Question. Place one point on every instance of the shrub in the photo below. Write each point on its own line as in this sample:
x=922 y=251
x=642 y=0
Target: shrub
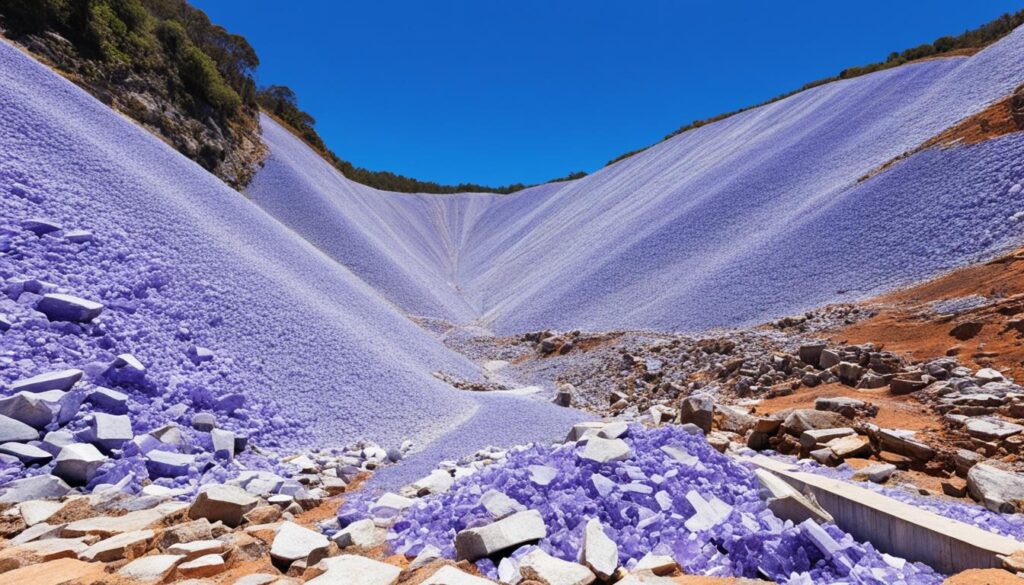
x=199 y=72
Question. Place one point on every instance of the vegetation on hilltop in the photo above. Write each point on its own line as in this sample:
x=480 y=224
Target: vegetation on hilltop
x=166 y=65
x=163 y=63
x=975 y=39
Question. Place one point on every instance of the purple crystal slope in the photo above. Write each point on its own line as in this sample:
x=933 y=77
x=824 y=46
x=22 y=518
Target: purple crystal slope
x=180 y=260
x=650 y=502
x=738 y=222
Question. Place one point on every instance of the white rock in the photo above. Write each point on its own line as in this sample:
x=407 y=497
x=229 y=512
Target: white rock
x=613 y=430
x=998 y=490
x=499 y=506
x=59 y=380
x=517 y=529
x=127 y=361
x=541 y=566
x=986 y=375
x=449 y=575
x=17 y=431
x=54 y=548
x=226 y=503
x=428 y=555
x=206 y=566
x=656 y=564
x=363 y=534
x=599 y=553
x=542 y=475
x=679 y=454
x=78 y=236
x=118 y=546
x=605 y=450
x=708 y=512
x=353 y=570
x=78 y=463
x=33 y=488
x=35 y=511
x=389 y=505
x=197 y=548
x=105 y=526
x=992 y=428
x=223 y=442
x=61 y=307
x=295 y=543
x=108 y=431
x=438 y=482
x=27 y=454
x=40 y=226
x=151 y=569
x=41 y=531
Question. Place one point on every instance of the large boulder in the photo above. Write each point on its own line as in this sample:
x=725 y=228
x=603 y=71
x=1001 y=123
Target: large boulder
x=295 y=543
x=107 y=431
x=998 y=490
x=27 y=454
x=544 y=568
x=361 y=534
x=107 y=400
x=733 y=420
x=902 y=442
x=698 y=410
x=805 y=419
x=990 y=428
x=226 y=503
x=513 y=531
x=36 y=409
x=34 y=488
x=168 y=464
x=151 y=569
x=61 y=307
x=126 y=369
x=58 y=380
x=355 y=570
x=605 y=450
x=78 y=463
x=814 y=438
x=41 y=226
x=15 y=430
x=598 y=552
x=810 y=353
x=848 y=407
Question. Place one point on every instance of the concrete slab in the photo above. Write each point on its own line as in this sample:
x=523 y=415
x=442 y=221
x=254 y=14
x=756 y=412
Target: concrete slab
x=895 y=527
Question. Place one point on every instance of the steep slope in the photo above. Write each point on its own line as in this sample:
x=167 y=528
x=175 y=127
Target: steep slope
x=761 y=214
x=179 y=259
x=740 y=221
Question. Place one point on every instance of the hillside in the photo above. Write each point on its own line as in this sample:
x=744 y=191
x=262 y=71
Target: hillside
x=181 y=260
x=695 y=366
x=703 y=230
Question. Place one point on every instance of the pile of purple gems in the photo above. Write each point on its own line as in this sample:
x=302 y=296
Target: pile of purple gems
x=674 y=495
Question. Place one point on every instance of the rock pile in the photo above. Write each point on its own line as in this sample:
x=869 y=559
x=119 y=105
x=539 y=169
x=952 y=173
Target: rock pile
x=668 y=502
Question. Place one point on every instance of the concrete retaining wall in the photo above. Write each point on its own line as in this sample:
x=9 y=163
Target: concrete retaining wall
x=897 y=528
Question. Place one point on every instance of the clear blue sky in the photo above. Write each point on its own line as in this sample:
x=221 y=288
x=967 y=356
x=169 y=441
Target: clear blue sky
x=496 y=92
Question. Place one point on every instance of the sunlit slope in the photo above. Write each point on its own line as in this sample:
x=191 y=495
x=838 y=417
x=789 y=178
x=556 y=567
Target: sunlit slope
x=179 y=259
x=756 y=216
